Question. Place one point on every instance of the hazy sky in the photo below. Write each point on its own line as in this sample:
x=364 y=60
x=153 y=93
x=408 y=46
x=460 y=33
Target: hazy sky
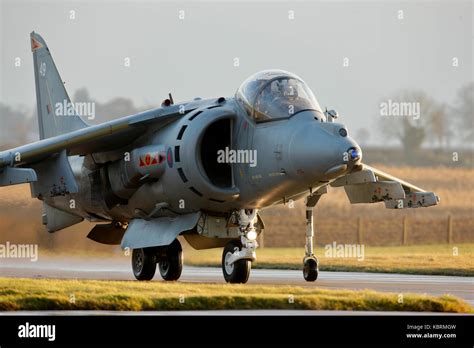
x=194 y=56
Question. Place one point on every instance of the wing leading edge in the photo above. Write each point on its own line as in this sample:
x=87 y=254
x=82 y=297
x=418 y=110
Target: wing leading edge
x=16 y=163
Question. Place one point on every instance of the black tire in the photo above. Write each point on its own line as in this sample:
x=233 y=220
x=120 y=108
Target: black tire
x=144 y=263
x=171 y=265
x=239 y=271
x=310 y=270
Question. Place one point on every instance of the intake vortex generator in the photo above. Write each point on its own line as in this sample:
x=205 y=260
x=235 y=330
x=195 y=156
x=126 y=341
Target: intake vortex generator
x=196 y=154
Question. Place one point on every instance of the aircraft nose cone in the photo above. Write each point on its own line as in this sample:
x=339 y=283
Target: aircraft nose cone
x=322 y=151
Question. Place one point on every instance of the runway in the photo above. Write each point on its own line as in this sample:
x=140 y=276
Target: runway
x=118 y=268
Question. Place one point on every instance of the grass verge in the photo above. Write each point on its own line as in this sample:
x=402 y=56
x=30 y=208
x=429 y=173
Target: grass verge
x=453 y=260
x=49 y=294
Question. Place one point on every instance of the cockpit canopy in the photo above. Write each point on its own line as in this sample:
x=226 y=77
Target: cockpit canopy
x=276 y=94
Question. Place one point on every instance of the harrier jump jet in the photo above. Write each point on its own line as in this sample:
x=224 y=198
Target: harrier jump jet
x=201 y=169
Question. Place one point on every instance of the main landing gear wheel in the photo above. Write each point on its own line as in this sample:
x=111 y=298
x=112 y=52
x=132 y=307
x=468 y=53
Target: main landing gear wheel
x=310 y=270
x=144 y=263
x=171 y=263
x=239 y=271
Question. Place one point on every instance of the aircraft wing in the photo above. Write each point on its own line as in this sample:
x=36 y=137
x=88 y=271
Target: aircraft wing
x=370 y=185
x=16 y=164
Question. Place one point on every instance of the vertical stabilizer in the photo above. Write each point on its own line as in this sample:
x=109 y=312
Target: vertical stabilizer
x=51 y=95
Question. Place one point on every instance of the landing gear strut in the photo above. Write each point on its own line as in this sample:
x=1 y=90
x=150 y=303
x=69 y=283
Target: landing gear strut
x=238 y=254
x=170 y=259
x=310 y=262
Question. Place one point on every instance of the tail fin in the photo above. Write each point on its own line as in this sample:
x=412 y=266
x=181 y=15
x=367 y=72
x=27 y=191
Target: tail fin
x=51 y=94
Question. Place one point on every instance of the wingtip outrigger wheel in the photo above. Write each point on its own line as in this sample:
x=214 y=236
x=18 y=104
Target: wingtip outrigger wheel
x=310 y=268
x=310 y=262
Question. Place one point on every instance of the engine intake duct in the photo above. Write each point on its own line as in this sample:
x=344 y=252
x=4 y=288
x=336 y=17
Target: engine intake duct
x=135 y=168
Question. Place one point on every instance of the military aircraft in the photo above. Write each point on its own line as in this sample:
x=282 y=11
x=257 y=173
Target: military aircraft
x=201 y=169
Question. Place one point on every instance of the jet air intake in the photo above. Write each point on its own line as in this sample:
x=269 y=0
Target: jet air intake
x=199 y=139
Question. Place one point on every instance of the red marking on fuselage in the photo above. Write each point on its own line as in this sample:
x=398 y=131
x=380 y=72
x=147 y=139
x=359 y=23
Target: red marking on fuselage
x=151 y=159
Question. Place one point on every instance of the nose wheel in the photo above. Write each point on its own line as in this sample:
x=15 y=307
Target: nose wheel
x=236 y=272
x=238 y=255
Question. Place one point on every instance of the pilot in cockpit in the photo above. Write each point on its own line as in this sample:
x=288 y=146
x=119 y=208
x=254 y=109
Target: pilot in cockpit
x=284 y=96
x=276 y=94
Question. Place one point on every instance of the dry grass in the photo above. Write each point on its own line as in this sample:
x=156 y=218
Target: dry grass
x=46 y=294
x=335 y=218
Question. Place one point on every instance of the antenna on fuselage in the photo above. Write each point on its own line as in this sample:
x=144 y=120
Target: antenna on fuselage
x=169 y=101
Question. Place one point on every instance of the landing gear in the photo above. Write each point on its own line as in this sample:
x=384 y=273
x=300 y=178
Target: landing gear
x=238 y=255
x=310 y=262
x=310 y=269
x=170 y=259
x=144 y=263
x=238 y=271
